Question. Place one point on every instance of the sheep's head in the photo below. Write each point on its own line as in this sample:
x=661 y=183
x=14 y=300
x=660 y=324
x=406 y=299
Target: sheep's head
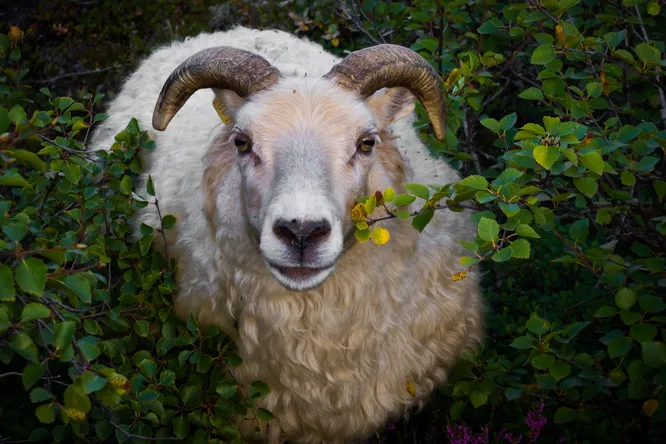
x=306 y=148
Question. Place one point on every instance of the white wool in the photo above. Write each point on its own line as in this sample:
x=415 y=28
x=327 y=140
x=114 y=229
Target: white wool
x=338 y=357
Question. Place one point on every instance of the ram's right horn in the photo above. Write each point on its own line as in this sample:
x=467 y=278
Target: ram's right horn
x=221 y=67
x=384 y=66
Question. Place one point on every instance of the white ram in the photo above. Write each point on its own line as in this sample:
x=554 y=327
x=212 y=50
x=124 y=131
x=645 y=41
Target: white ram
x=264 y=243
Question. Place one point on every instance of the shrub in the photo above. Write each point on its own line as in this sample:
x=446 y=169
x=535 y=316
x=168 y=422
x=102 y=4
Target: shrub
x=557 y=120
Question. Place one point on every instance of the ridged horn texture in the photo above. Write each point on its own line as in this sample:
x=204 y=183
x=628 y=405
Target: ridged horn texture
x=221 y=67
x=385 y=66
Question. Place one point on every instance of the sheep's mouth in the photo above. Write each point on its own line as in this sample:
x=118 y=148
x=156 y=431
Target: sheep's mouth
x=300 y=278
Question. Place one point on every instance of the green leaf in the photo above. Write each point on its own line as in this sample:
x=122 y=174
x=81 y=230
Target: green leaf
x=264 y=415
x=643 y=332
x=654 y=354
x=502 y=255
x=645 y=52
x=476 y=182
x=168 y=221
x=39 y=395
x=259 y=389
x=4 y=120
x=478 y=398
x=627 y=178
x=45 y=413
x=619 y=347
x=543 y=362
x=627 y=133
x=370 y=204
x=404 y=199
x=34 y=310
x=508 y=176
x=17 y=115
x=625 y=298
x=150 y=187
x=29 y=159
x=64 y=333
x=579 y=230
x=389 y=195
x=31 y=276
x=418 y=190
x=538 y=326
x=142 y=328
x=522 y=343
x=92 y=383
x=492 y=124
x=126 y=185
x=564 y=415
x=546 y=155
x=508 y=121
x=594 y=89
x=512 y=393
x=510 y=209
x=181 y=426
x=613 y=39
x=420 y=221
x=560 y=370
x=594 y=162
x=652 y=304
x=531 y=93
x=527 y=231
x=586 y=185
x=23 y=344
x=520 y=249
x=148 y=396
x=227 y=389
x=15 y=231
x=31 y=374
x=605 y=311
x=543 y=54
x=80 y=286
x=7 y=290
x=488 y=230
x=148 y=368
x=660 y=188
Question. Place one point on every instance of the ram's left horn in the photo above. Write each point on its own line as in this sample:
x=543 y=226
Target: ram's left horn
x=384 y=66
x=221 y=67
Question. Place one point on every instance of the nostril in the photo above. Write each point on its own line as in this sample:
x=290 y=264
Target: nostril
x=319 y=231
x=284 y=230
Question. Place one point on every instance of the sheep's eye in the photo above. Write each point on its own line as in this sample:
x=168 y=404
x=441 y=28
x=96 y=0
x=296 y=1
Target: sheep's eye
x=366 y=145
x=242 y=143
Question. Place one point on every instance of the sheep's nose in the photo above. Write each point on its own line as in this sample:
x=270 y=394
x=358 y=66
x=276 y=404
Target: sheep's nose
x=301 y=234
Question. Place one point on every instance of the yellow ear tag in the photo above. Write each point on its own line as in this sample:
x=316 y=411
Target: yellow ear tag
x=219 y=107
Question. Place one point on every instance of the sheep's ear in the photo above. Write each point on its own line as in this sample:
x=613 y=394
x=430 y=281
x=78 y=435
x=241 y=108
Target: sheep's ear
x=227 y=103
x=390 y=105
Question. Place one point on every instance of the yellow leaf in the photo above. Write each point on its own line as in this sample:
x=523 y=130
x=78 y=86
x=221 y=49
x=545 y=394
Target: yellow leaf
x=459 y=276
x=410 y=389
x=380 y=236
x=358 y=213
x=15 y=34
x=650 y=406
x=335 y=42
x=76 y=415
x=559 y=32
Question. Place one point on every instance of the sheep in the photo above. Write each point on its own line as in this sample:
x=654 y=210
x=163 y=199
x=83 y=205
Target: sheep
x=348 y=335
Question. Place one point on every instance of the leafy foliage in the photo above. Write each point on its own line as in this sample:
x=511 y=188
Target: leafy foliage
x=557 y=122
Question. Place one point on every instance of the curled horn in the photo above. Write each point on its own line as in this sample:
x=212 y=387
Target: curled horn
x=221 y=67
x=384 y=66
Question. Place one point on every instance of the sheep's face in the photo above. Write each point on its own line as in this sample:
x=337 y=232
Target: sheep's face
x=306 y=150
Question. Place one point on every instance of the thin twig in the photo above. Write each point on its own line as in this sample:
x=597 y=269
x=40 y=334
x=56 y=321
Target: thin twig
x=416 y=213
x=662 y=96
x=147 y=438
x=74 y=74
